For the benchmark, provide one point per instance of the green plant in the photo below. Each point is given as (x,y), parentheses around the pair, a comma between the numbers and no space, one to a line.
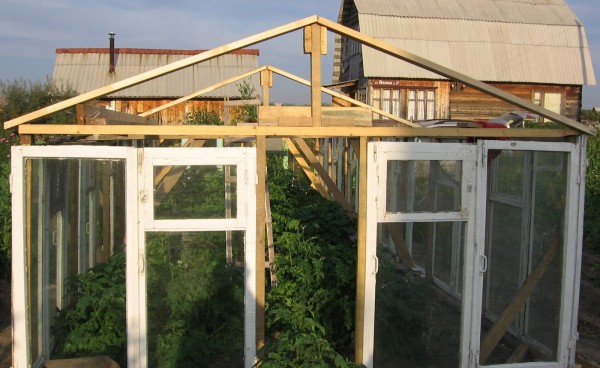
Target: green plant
(310,313)
(202,117)
(94,322)
(250,112)
(592,195)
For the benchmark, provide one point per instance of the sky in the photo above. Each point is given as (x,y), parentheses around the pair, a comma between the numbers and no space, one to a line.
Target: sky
(32,30)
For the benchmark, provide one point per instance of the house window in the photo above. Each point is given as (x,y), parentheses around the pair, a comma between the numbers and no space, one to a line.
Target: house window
(410,104)
(549,100)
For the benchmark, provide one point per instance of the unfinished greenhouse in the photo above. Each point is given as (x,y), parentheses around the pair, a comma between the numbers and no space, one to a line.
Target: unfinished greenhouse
(479,225)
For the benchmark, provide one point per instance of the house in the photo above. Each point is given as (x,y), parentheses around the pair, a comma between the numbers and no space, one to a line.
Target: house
(536,50)
(86,69)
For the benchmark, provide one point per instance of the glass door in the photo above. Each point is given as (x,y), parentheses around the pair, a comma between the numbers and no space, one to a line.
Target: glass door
(197,257)
(532,207)
(420,237)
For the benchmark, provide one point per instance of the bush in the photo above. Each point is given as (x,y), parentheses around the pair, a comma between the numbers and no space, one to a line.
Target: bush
(592,194)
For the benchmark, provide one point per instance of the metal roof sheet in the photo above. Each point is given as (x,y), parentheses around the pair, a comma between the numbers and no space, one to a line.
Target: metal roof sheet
(87,69)
(488,51)
(555,12)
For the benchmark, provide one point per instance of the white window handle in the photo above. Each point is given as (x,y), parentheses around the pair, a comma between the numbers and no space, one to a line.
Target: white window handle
(484,264)
(376,264)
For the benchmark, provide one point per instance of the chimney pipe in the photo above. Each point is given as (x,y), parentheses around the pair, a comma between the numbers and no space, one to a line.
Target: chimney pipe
(111,38)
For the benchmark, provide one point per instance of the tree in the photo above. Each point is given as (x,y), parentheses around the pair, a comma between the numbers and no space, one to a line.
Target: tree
(19,97)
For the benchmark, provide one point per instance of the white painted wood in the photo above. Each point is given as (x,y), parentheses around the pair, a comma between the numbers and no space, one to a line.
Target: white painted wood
(378,156)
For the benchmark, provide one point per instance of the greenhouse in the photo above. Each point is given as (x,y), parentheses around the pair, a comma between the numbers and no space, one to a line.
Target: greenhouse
(463,249)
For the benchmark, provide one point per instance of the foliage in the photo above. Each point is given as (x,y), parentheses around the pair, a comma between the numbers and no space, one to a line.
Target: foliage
(20,97)
(592,194)
(25,96)
(310,313)
(94,323)
(246,113)
(202,117)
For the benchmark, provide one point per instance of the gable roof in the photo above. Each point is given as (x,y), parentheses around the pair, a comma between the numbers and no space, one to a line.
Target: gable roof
(532,41)
(86,69)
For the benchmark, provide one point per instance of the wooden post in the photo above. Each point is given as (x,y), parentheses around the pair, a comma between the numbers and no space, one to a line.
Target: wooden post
(361,249)
(313,45)
(261,167)
(266,81)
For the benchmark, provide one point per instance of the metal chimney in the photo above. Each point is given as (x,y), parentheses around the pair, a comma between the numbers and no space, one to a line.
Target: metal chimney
(111,38)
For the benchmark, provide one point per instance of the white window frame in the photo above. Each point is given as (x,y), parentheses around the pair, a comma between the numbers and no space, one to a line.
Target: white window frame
(571,256)
(378,154)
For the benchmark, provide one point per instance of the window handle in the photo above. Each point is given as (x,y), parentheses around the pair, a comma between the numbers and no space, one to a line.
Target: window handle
(484,263)
(376,264)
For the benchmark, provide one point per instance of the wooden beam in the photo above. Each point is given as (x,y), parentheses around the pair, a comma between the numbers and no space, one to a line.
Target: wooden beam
(160,71)
(397,232)
(451,74)
(236,103)
(330,184)
(202,91)
(361,254)
(344,97)
(316,183)
(266,81)
(216,131)
(315,74)
(261,188)
(509,314)
(519,354)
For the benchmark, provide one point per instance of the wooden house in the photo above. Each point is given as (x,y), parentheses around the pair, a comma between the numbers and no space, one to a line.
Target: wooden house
(489,221)
(536,50)
(86,69)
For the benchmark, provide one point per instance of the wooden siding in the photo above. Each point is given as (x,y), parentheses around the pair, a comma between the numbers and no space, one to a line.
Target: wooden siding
(468,103)
(172,115)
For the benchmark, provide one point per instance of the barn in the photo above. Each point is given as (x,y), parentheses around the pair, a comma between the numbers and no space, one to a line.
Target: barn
(536,50)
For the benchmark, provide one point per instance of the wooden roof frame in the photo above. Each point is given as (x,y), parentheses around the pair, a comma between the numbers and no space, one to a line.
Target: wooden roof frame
(315,27)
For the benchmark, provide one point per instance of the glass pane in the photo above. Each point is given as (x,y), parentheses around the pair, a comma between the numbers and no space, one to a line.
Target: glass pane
(195,192)
(195,299)
(417,322)
(509,167)
(423,186)
(524,245)
(75,253)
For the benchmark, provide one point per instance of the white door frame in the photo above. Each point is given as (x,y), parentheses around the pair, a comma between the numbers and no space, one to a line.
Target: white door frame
(378,153)
(137,164)
(245,161)
(571,256)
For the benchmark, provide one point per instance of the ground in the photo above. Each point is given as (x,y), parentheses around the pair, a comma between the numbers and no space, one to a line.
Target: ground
(589,314)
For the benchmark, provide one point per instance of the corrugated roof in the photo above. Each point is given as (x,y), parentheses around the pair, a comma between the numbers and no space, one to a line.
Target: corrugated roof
(87,69)
(555,12)
(533,41)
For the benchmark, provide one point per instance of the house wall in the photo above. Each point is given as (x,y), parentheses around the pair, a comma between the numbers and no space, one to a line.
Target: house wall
(172,115)
(468,103)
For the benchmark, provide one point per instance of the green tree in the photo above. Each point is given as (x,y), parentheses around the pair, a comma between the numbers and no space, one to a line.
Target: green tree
(19,97)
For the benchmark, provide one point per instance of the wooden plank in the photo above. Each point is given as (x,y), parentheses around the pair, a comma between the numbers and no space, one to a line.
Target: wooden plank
(316,183)
(160,71)
(361,254)
(519,354)
(329,183)
(261,167)
(315,74)
(451,74)
(217,131)
(99,115)
(344,97)
(266,82)
(88,362)
(301,116)
(202,91)
(233,103)
(397,232)
(509,314)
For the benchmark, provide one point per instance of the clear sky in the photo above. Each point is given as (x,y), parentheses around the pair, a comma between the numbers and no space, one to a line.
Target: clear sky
(31,31)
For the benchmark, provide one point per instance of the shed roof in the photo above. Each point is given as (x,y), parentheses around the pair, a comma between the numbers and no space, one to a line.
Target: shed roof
(522,41)
(86,69)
